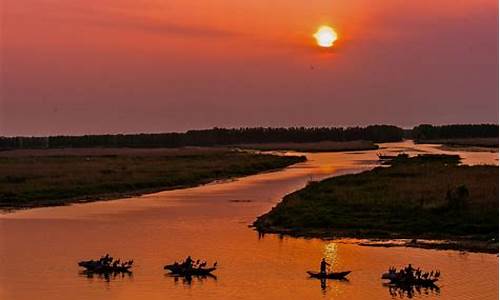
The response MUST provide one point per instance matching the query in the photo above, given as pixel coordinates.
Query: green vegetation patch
(29, 181)
(426, 196)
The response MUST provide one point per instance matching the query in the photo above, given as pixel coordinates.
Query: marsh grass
(428, 196)
(491, 142)
(43, 180)
(324, 146)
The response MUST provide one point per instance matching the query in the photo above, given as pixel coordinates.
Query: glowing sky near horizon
(107, 66)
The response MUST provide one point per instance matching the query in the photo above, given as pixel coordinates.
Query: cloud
(126, 16)
(162, 27)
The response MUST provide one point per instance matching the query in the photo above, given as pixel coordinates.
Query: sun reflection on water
(331, 254)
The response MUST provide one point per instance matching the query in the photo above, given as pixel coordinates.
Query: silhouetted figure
(409, 269)
(323, 265)
(106, 259)
(188, 263)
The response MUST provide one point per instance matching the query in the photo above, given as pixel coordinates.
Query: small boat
(97, 267)
(383, 156)
(409, 277)
(399, 280)
(331, 275)
(178, 269)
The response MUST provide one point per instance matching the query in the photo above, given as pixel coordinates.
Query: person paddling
(323, 265)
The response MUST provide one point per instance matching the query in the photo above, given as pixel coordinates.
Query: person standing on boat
(188, 263)
(323, 265)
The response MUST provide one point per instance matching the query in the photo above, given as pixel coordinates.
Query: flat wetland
(210, 222)
(33, 178)
(424, 197)
(466, 143)
(324, 146)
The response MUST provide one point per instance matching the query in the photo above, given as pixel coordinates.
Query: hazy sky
(108, 66)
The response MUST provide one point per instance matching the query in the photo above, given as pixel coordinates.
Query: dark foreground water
(39, 248)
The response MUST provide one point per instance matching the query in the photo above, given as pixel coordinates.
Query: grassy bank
(464, 142)
(31, 178)
(423, 197)
(325, 146)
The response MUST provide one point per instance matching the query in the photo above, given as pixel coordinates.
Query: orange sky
(75, 67)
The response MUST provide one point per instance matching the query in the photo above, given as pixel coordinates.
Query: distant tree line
(256, 135)
(211, 137)
(429, 132)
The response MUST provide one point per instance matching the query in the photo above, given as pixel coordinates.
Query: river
(39, 248)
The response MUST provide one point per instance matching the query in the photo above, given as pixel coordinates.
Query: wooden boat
(395, 279)
(180, 270)
(382, 156)
(97, 267)
(385, 156)
(332, 275)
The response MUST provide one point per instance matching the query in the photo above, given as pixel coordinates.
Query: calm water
(39, 248)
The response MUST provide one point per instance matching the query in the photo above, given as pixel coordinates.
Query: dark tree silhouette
(254, 135)
(429, 132)
(211, 137)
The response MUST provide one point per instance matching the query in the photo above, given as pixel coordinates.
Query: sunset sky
(109, 66)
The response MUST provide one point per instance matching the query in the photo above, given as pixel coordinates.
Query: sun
(325, 36)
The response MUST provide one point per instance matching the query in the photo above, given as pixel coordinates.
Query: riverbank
(35, 178)
(478, 246)
(324, 146)
(427, 197)
(464, 143)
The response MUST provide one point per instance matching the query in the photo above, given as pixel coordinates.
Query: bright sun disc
(325, 36)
